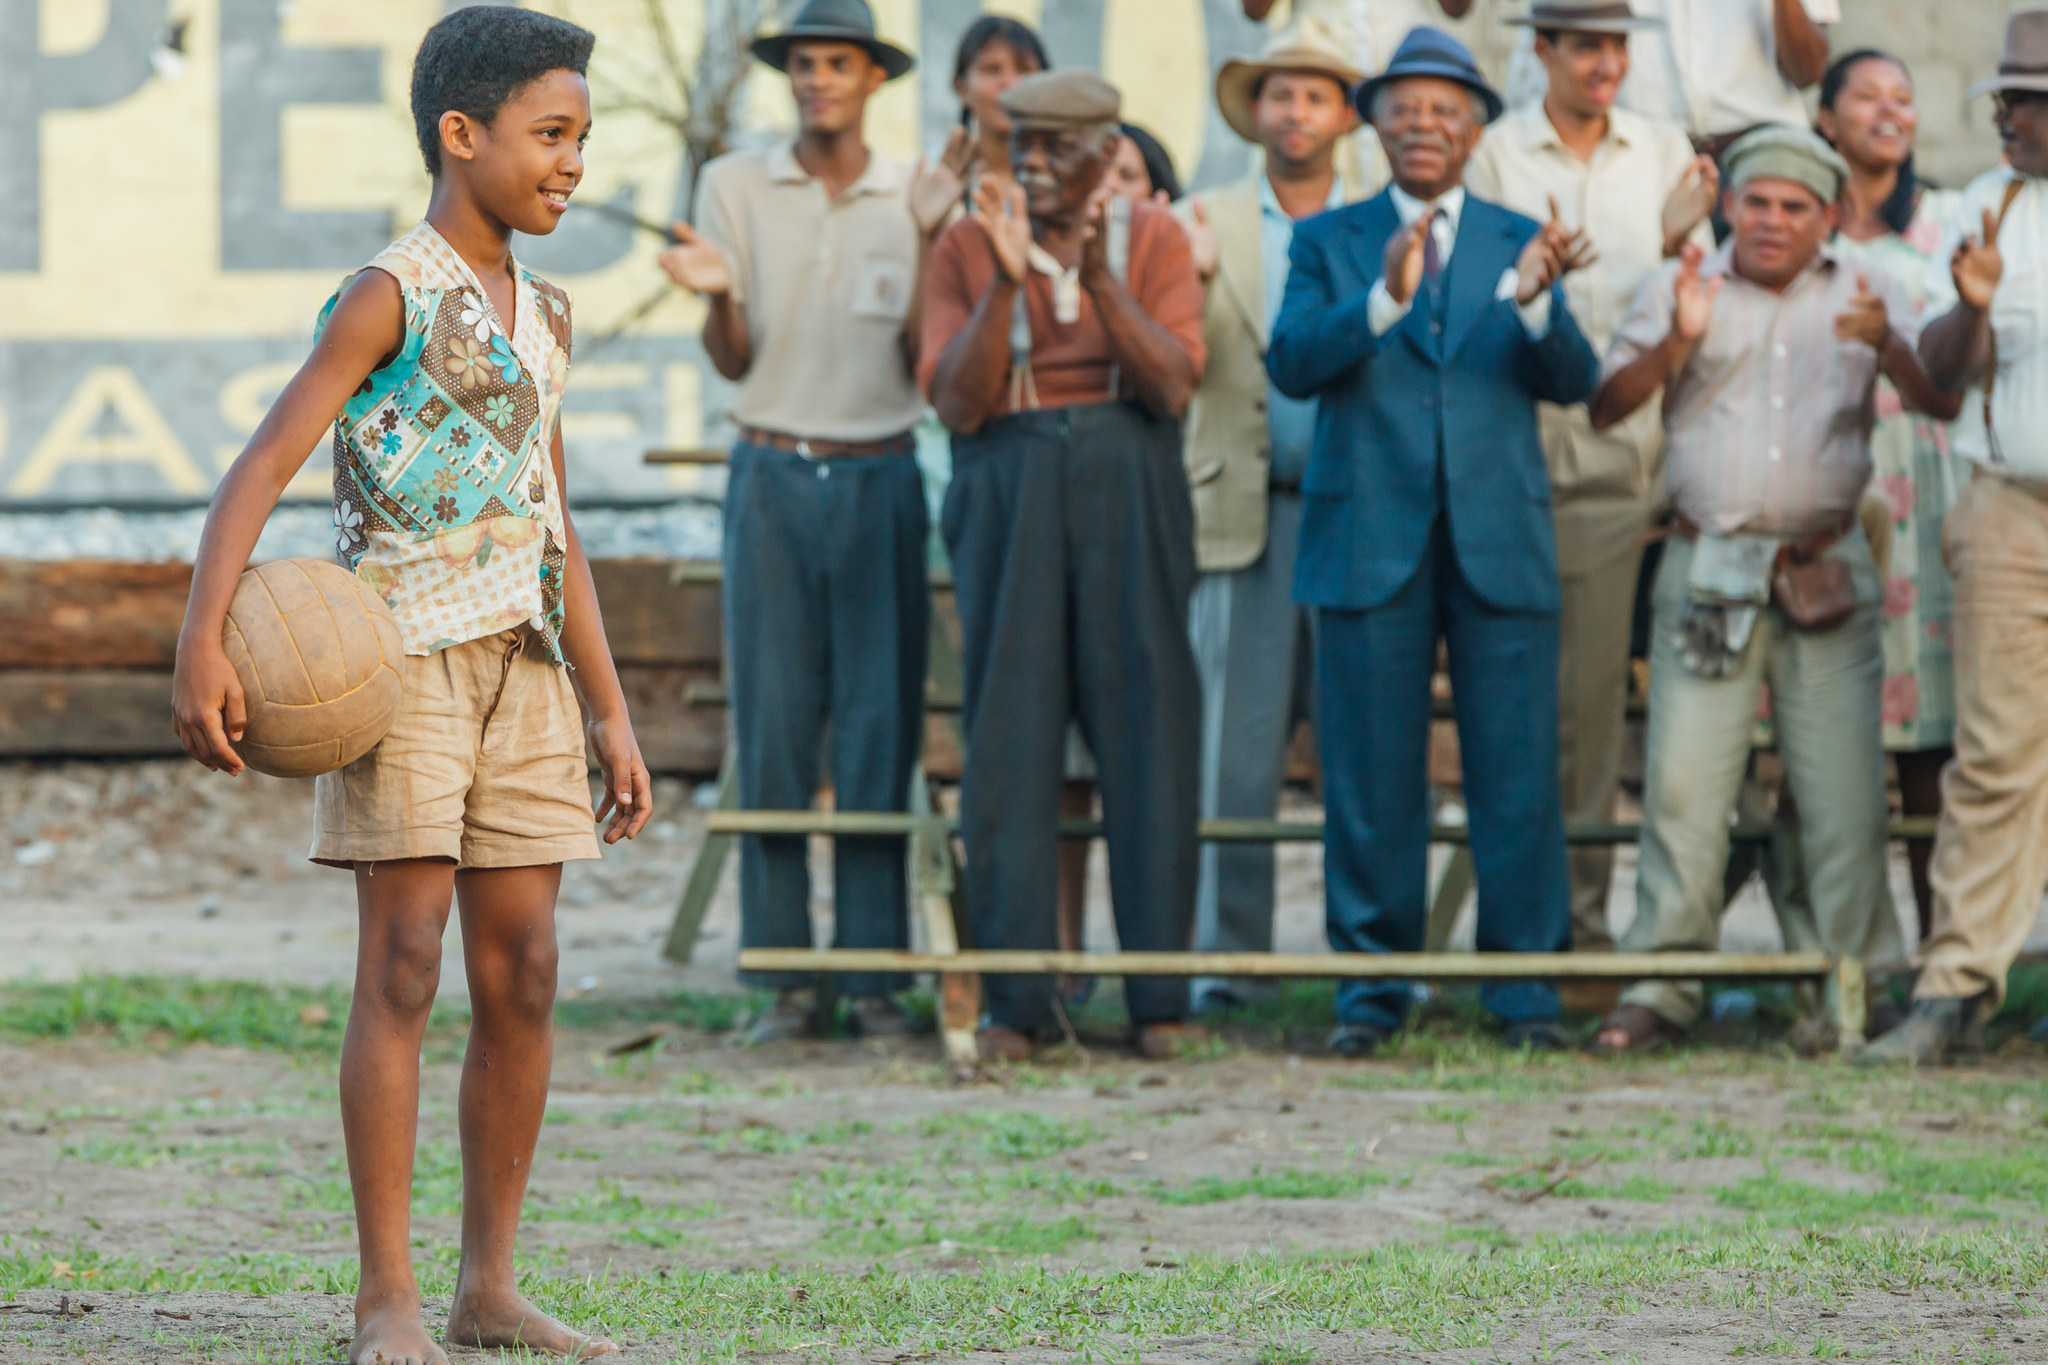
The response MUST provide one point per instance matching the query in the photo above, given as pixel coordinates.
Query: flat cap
(1781, 151)
(1067, 98)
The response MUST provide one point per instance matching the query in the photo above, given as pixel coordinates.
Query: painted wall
(203, 173)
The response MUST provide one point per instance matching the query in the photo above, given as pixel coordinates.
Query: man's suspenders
(1023, 389)
(2012, 192)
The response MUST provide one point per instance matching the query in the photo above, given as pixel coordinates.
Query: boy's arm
(365, 330)
(628, 791)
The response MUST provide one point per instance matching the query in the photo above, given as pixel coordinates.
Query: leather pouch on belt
(1812, 592)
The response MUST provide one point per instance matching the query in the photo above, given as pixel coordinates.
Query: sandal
(1634, 1029)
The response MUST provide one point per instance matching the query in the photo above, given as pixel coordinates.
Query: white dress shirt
(1382, 314)
(2019, 321)
(1712, 68)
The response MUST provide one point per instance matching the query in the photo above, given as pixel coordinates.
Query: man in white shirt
(1988, 295)
(1716, 68)
(1639, 190)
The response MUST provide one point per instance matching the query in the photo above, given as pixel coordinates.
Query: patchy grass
(146, 1011)
(1011, 1134)
(1287, 1184)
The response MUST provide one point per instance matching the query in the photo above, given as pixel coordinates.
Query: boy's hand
(628, 790)
(208, 708)
(696, 264)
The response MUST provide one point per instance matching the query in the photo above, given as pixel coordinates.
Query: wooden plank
(97, 714)
(1425, 966)
(90, 613)
(674, 736)
(654, 614)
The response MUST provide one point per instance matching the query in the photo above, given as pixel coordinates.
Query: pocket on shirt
(881, 288)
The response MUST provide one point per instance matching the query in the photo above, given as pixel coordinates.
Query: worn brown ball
(320, 659)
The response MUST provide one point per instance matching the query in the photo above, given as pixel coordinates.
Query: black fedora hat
(1430, 51)
(837, 21)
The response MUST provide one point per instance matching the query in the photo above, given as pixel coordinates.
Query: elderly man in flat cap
(1768, 353)
(1428, 324)
(1990, 858)
(1062, 341)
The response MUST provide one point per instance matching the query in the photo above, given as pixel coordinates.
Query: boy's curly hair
(477, 58)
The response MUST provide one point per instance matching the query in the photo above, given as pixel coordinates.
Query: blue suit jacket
(1392, 406)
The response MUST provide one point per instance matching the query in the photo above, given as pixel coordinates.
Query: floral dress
(1914, 472)
(444, 485)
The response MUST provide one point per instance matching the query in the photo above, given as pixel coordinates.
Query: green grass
(1437, 1296)
(136, 1011)
(1011, 1134)
(1287, 1184)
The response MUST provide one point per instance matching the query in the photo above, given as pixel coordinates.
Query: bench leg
(705, 872)
(1849, 1002)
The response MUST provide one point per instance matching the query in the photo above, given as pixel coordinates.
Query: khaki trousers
(1991, 851)
(1825, 687)
(1599, 598)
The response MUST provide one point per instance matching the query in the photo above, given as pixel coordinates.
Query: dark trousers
(1373, 672)
(827, 618)
(1072, 538)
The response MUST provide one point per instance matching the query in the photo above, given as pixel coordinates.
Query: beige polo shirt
(825, 285)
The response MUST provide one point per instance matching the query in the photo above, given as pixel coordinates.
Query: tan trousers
(1598, 605)
(1991, 851)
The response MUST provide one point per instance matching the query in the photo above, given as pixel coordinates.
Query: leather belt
(903, 443)
(1802, 547)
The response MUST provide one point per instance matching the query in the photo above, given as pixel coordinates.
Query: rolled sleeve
(1164, 282)
(1645, 325)
(718, 221)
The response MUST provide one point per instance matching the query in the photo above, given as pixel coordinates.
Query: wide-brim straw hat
(1585, 16)
(833, 21)
(1304, 46)
(2023, 65)
(1431, 52)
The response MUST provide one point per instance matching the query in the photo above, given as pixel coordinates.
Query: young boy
(445, 362)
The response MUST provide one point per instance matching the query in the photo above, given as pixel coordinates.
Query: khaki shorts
(484, 766)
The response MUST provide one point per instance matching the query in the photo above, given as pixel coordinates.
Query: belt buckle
(803, 448)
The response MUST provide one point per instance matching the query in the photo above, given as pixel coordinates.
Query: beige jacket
(1227, 446)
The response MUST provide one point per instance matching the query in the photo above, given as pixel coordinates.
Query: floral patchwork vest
(444, 491)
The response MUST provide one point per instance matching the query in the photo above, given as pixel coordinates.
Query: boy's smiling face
(523, 165)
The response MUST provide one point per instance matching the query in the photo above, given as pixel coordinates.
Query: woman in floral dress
(1892, 222)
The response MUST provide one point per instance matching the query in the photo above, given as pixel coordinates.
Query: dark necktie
(1432, 259)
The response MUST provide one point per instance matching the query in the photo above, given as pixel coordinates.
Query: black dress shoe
(1357, 1040)
(1538, 1035)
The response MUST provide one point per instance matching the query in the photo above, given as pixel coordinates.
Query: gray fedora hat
(1585, 16)
(833, 21)
(1430, 51)
(2023, 65)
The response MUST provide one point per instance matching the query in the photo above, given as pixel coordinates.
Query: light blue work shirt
(1291, 422)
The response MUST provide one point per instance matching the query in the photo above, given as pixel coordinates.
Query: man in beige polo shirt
(1637, 188)
(807, 257)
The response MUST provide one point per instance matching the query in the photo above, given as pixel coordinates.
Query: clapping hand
(1095, 235)
(1402, 268)
(1693, 297)
(1553, 253)
(696, 264)
(1002, 213)
(935, 187)
(1865, 319)
(1977, 266)
(1201, 240)
(1691, 200)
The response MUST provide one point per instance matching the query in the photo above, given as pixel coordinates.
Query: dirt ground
(127, 1174)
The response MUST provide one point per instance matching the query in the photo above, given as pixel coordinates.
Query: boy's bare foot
(509, 1320)
(393, 1335)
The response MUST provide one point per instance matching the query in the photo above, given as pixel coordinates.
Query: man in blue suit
(1429, 324)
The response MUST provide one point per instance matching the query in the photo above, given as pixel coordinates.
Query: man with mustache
(807, 259)
(1989, 318)
(1641, 193)
(1062, 342)
(1767, 353)
(1428, 324)
(1246, 448)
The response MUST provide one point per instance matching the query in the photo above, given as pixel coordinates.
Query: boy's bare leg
(403, 909)
(508, 942)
